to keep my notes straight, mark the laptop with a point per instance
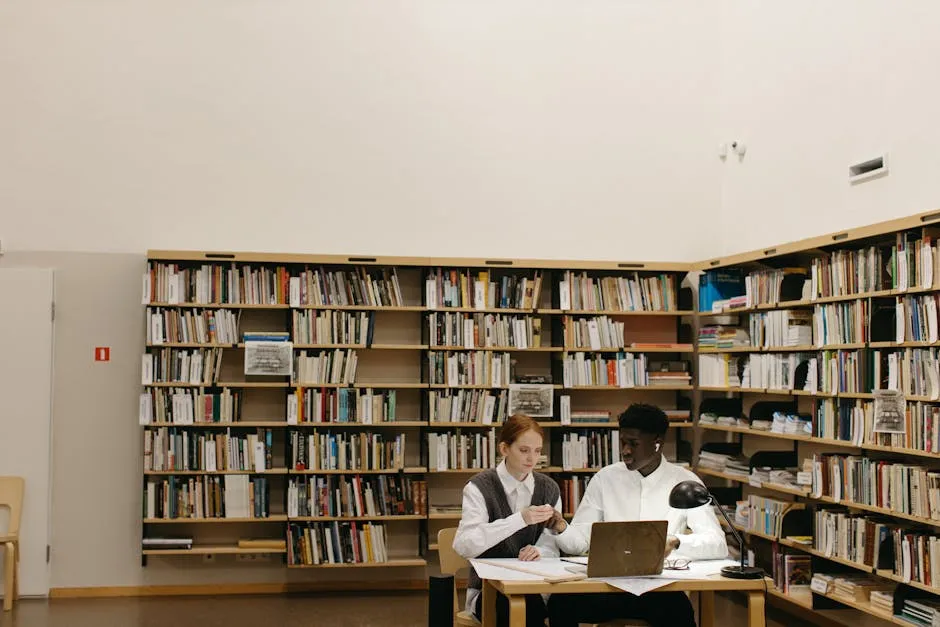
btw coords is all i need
(626, 549)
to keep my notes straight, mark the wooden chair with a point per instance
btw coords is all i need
(451, 563)
(11, 496)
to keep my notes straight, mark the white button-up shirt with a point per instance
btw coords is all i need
(476, 534)
(616, 493)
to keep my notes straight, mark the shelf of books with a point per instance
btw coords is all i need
(819, 416)
(327, 411)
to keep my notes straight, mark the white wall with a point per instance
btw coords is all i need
(531, 129)
(812, 87)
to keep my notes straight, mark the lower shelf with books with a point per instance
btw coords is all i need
(411, 562)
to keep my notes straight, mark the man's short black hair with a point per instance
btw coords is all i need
(645, 418)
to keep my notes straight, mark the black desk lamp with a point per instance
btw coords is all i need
(690, 494)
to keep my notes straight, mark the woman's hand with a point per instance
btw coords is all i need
(529, 554)
(537, 514)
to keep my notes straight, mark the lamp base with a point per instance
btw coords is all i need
(742, 572)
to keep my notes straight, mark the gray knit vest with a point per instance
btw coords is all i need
(546, 492)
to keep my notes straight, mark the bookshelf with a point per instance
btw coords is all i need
(794, 344)
(401, 370)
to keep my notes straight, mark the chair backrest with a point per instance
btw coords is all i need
(11, 496)
(451, 561)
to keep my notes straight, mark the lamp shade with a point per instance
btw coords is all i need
(689, 494)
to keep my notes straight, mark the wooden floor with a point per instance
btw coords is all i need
(335, 610)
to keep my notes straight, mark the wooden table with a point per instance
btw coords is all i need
(515, 591)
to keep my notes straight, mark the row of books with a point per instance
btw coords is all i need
(593, 333)
(581, 292)
(589, 449)
(477, 406)
(841, 323)
(336, 543)
(192, 326)
(469, 368)
(172, 283)
(720, 370)
(913, 371)
(828, 372)
(848, 536)
(346, 451)
(916, 556)
(624, 370)
(355, 495)
(783, 327)
(915, 318)
(332, 327)
(172, 365)
(456, 288)
(184, 406)
(921, 428)
(854, 421)
(226, 496)
(769, 287)
(765, 515)
(572, 491)
(373, 287)
(484, 330)
(342, 405)
(846, 272)
(182, 449)
(208, 284)
(457, 451)
(849, 421)
(791, 572)
(335, 367)
(908, 263)
(776, 371)
(904, 488)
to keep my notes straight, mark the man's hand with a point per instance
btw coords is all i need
(558, 522)
(672, 543)
(529, 554)
(537, 513)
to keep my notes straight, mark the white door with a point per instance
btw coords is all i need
(26, 342)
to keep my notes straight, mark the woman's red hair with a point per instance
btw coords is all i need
(516, 425)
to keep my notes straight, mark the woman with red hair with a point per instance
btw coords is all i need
(507, 511)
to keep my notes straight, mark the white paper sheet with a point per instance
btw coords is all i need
(544, 568)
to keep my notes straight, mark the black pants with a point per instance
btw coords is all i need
(659, 609)
(535, 612)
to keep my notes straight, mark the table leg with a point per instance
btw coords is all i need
(489, 604)
(706, 608)
(755, 608)
(517, 611)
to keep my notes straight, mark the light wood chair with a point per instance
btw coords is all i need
(451, 563)
(11, 496)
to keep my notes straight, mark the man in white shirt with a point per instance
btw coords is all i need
(637, 488)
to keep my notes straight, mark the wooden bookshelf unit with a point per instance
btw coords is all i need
(794, 345)
(402, 370)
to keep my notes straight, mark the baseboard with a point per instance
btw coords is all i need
(241, 588)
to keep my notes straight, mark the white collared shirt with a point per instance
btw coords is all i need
(616, 493)
(476, 534)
